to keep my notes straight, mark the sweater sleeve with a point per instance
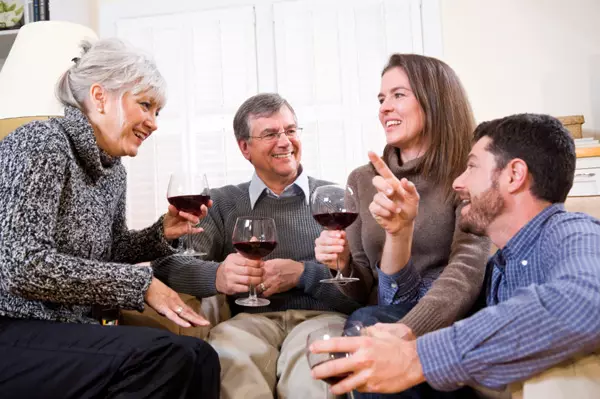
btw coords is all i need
(135, 246)
(455, 291)
(359, 265)
(32, 267)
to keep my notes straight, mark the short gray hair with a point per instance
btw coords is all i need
(260, 105)
(114, 65)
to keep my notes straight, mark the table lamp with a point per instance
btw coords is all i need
(42, 51)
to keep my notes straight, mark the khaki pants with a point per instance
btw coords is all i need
(264, 353)
(578, 378)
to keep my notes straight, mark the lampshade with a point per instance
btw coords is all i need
(42, 51)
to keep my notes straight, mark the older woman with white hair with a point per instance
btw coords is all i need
(65, 246)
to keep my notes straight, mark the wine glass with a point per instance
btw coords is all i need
(329, 331)
(254, 238)
(188, 192)
(334, 207)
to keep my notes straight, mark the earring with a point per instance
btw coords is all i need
(101, 110)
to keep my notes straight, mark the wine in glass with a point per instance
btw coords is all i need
(329, 331)
(334, 207)
(188, 192)
(254, 238)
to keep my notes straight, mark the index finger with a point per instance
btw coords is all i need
(380, 166)
(338, 344)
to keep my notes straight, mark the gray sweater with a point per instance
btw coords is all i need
(297, 231)
(64, 241)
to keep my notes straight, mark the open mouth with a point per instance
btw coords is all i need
(392, 123)
(284, 155)
(140, 136)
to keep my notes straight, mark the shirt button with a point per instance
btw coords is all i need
(524, 262)
(394, 285)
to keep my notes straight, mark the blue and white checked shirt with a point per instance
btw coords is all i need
(543, 302)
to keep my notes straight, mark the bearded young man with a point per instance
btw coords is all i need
(542, 287)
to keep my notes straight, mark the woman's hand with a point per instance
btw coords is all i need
(330, 246)
(177, 223)
(396, 204)
(168, 303)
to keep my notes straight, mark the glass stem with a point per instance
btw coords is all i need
(252, 293)
(337, 268)
(188, 238)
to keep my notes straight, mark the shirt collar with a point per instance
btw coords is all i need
(257, 187)
(525, 238)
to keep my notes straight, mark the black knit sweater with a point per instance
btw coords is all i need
(64, 243)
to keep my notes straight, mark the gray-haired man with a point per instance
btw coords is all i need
(262, 350)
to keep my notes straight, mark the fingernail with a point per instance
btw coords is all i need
(389, 191)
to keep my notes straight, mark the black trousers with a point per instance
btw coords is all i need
(41, 359)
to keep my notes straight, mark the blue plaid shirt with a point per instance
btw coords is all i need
(543, 298)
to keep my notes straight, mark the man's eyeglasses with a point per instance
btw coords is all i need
(291, 133)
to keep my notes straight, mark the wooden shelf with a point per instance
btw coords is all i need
(10, 32)
(587, 152)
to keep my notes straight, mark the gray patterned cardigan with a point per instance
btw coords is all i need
(64, 243)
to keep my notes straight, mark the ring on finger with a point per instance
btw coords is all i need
(178, 309)
(262, 287)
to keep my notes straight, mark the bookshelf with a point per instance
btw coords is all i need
(82, 12)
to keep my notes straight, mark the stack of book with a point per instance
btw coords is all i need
(37, 10)
(586, 142)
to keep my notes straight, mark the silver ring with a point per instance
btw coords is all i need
(262, 287)
(179, 310)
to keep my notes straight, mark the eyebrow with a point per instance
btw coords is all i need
(393, 89)
(269, 130)
(471, 157)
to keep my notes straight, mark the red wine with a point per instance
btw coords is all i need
(255, 249)
(189, 203)
(333, 379)
(336, 220)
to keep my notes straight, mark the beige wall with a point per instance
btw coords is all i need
(526, 56)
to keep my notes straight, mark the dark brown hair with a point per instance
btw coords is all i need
(543, 143)
(449, 122)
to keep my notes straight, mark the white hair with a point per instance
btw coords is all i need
(115, 66)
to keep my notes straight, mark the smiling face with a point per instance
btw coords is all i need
(400, 113)
(124, 125)
(275, 162)
(479, 190)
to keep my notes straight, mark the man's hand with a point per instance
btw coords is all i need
(169, 304)
(280, 275)
(177, 223)
(330, 246)
(396, 204)
(400, 330)
(236, 273)
(381, 362)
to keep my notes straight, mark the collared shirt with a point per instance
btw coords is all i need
(405, 286)
(299, 186)
(543, 298)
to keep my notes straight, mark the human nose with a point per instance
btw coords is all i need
(150, 123)
(283, 139)
(385, 106)
(459, 184)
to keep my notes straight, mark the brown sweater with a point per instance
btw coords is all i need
(439, 248)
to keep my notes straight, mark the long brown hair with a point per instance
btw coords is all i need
(449, 121)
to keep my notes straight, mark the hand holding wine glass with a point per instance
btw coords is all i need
(334, 207)
(189, 194)
(254, 238)
(326, 333)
